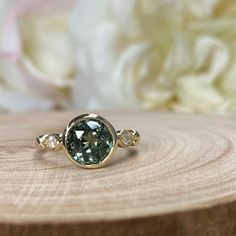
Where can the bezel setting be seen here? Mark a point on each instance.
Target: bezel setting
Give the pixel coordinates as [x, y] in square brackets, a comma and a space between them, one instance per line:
[109, 127]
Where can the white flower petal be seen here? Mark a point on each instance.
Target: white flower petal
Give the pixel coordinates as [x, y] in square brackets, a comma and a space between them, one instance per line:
[91, 15]
[202, 8]
[13, 101]
[213, 53]
[48, 50]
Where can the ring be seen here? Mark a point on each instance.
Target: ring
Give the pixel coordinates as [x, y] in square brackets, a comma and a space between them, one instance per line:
[89, 140]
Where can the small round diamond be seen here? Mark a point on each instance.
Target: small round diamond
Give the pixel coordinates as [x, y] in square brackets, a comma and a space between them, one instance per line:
[52, 141]
[127, 138]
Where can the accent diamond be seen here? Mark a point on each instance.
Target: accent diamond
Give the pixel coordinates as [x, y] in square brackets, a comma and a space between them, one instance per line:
[127, 138]
[51, 141]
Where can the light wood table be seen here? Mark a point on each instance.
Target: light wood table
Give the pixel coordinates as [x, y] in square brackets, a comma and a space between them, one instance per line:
[180, 180]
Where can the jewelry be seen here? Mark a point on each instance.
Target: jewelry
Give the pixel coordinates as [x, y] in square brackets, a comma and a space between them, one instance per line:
[89, 140]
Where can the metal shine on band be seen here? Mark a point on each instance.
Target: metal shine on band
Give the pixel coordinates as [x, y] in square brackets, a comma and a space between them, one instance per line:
[89, 140]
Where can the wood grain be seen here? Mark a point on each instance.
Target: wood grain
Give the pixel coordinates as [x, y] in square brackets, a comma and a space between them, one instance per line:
[180, 180]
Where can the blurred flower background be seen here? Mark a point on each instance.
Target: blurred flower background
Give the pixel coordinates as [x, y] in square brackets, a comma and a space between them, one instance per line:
[177, 55]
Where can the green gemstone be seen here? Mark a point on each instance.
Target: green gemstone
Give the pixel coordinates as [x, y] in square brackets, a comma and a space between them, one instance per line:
[89, 140]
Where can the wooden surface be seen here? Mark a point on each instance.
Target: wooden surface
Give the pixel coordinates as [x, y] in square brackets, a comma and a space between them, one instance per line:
[180, 180]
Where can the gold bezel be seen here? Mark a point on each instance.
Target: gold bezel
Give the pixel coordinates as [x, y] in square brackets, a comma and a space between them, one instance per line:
[111, 130]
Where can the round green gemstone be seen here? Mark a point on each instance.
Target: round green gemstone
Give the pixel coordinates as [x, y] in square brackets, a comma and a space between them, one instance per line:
[89, 140]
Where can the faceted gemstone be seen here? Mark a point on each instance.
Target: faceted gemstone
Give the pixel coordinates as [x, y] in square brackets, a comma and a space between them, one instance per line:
[89, 141]
[126, 138]
[52, 141]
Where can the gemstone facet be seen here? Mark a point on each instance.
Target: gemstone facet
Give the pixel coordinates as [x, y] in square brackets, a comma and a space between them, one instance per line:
[89, 140]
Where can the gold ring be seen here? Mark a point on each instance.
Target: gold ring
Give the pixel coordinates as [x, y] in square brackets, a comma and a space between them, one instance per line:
[89, 140]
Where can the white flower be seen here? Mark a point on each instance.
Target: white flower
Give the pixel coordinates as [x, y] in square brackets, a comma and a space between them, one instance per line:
[14, 93]
[48, 48]
[37, 62]
[167, 54]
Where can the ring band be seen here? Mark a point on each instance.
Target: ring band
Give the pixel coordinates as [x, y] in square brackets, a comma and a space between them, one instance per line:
[89, 140]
